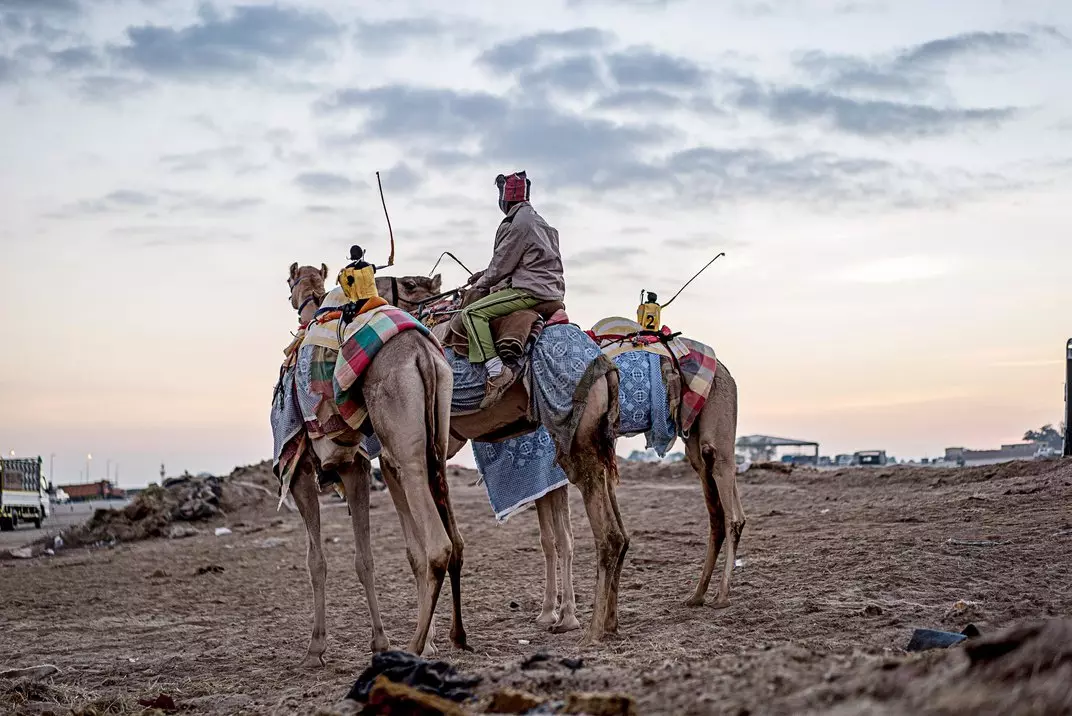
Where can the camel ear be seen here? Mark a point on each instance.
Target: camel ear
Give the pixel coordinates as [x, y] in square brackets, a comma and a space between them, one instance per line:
[324, 271]
[293, 270]
[437, 283]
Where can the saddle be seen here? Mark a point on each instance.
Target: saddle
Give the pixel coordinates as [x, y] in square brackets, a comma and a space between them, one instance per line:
[510, 333]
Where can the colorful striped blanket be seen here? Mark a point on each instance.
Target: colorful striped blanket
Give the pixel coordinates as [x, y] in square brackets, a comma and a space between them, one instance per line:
[320, 380]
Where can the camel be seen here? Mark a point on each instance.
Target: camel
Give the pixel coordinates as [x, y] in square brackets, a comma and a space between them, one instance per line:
[709, 449]
[590, 464]
[407, 391]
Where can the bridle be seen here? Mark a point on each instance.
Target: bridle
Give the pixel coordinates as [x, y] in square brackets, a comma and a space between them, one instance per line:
[313, 296]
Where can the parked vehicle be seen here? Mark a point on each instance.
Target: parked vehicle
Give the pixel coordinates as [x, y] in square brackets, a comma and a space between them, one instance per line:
[23, 493]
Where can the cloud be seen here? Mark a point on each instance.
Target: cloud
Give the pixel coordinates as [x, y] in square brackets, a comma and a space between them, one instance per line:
[642, 67]
[918, 66]
[399, 111]
[522, 52]
[626, 3]
[388, 36]
[572, 75]
[74, 58]
[401, 177]
[159, 236]
[7, 70]
[567, 150]
[130, 197]
[201, 160]
[59, 7]
[602, 255]
[324, 183]
[110, 88]
[768, 8]
[154, 204]
[320, 209]
[864, 117]
[971, 43]
[251, 38]
[709, 241]
[640, 100]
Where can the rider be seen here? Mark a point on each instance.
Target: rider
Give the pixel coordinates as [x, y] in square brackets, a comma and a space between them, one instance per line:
[525, 270]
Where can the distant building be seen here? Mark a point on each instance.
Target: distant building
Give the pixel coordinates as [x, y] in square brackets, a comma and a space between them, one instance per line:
[1007, 453]
[85, 491]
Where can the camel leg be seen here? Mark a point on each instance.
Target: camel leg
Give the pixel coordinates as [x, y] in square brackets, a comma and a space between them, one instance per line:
[588, 468]
[355, 480]
[414, 550]
[306, 497]
[544, 507]
[716, 518]
[444, 447]
[726, 480]
[616, 574]
[711, 452]
[454, 570]
[434, 541]
[560, 513]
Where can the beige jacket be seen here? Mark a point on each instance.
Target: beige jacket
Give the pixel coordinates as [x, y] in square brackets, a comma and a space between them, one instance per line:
[526, 256]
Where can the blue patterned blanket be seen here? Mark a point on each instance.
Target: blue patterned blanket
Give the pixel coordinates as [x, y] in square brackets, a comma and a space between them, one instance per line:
[520, 470]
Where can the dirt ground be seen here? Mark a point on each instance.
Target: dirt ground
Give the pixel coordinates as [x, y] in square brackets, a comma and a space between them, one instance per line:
[838, 568]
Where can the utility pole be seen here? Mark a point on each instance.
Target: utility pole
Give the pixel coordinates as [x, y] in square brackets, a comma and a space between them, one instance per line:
[1068, 398]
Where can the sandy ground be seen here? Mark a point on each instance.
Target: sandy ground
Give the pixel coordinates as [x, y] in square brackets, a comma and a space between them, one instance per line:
[839, 567]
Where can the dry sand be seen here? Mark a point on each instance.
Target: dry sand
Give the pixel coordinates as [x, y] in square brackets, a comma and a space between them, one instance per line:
[839, 567]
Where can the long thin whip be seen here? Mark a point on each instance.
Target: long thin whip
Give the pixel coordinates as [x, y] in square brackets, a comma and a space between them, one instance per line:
[691, 280]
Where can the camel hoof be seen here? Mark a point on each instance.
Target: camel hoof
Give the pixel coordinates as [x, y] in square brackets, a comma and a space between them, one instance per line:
[694, 601]
[546, 619]
[313, 661]
[567, 624]
[460, 641]
[380, 645]
[589, 639]
[430, 650]
[721, 603]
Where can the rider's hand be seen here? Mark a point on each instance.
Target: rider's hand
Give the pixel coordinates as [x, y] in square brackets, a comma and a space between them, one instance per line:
[474, 278]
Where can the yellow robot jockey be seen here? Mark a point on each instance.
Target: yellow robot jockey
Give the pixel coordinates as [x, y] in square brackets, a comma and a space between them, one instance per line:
[358, 281]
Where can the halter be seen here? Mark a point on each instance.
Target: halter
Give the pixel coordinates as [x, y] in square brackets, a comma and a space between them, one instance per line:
[311, 298]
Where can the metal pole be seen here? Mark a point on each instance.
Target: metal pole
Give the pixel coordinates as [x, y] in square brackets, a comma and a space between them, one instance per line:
[1068, 398]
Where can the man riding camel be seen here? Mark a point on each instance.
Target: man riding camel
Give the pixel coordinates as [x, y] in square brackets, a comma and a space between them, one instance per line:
[525, 270]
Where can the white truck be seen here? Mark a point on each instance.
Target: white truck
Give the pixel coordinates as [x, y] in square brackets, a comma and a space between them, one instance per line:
[23, 493]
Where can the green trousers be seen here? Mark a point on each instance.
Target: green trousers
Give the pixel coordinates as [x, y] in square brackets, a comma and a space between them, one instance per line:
[478, 315]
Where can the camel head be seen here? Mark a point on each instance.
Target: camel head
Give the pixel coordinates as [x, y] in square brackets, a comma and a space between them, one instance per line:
[306, 285]
[407, 291]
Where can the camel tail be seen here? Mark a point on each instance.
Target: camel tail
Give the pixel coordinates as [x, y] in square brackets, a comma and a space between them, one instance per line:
[437, 428]
[608, 428]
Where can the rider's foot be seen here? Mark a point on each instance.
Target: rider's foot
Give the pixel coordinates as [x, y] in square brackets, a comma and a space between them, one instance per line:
[496, 386]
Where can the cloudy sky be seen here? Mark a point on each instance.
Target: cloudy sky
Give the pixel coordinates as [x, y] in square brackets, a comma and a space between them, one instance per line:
[889, 180]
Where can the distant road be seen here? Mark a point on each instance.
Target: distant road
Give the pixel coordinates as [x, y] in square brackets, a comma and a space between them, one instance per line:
[63, 516]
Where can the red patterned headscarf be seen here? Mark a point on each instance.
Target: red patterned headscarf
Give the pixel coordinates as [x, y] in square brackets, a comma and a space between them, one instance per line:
[512, 188]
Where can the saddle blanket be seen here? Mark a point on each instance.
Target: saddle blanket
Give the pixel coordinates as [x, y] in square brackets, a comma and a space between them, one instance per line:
[695, 362]
[320, 389]
[523, 469]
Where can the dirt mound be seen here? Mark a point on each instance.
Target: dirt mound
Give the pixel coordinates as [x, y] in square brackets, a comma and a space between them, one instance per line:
[1026, 669]
[154, 511]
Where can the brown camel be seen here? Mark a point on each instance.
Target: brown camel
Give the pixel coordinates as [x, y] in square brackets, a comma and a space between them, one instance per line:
[590, 464]
[710, 450]
[407, 391]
